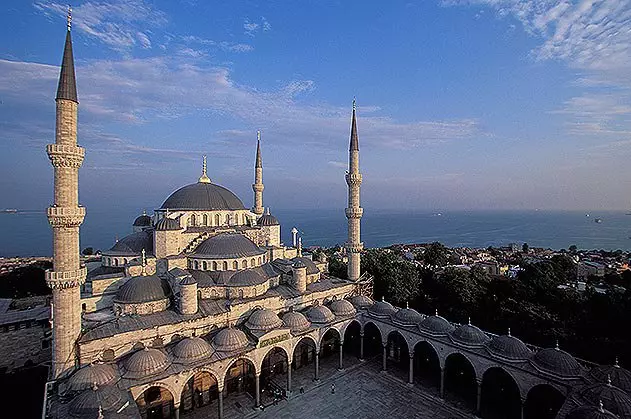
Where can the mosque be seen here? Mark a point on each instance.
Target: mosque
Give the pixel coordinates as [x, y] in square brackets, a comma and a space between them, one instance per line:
[203, 305]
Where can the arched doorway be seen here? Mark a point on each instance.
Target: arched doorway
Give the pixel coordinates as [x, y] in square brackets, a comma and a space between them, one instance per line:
[543, 402]
[372, 341]
[274, 376]
[500, 395]
[460, 382]
[155, 403]
[240, 379]
[200, 390]
[304, 353]
[330, 344]
[352, 339]
[426, 365]
[397, 355]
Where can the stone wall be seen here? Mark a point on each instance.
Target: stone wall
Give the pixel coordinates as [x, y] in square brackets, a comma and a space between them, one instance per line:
[24, 343]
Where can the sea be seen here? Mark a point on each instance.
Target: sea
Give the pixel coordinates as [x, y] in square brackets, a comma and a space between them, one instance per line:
[29, 234]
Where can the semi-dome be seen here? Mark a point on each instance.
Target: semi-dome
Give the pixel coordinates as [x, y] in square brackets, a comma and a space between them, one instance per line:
[614, 399]
[590, 412]
[267, 219]
[509, 347]
[142, 221]
[558, 362]
[407, 317]
[263, 320]
[145, 363]
[362, 301]
[619, 376]
[203, 196]
[191, 350]
[228, 246]
[296, 321]
[381, 309]
[311, 267]
[342, 308]
[143, 289]
[134, 243]
[168, 224]
[246, 278]
[436, 325]
[91, 402]
[320, 314]
[469, 335]
[86, 377]
[230, 339]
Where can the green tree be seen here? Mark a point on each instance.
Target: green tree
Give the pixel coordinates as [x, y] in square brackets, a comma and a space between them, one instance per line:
[525, 248]
[573, 249]
[436, 254]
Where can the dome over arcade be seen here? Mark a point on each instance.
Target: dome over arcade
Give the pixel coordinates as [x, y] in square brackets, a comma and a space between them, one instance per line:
[142, 221]
[312, 269]
[143, 289]
[469, 335]
[590, 412]
[407, 317]
[191, 349]
[86, 377]
[168, 224]
[381, 309]
[267, 219]
[263, 320]
[436, 325]
[619, 376]
[296, 321]
[97, 398]
[361, 301]
[509, 347]
[227, 246]
[134, 243]
[558, 362]
[203, 196]
[246, 278]
[145, 363]
[320, 314]
[342, 308]
[230, 339]
[614, 399]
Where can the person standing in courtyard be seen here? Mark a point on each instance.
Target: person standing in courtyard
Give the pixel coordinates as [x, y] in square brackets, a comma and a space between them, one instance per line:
[333, 388]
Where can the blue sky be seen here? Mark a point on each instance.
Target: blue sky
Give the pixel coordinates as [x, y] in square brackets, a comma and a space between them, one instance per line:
[479, 104]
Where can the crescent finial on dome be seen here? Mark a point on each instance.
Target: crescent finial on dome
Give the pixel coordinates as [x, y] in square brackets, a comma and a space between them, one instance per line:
[204, 177]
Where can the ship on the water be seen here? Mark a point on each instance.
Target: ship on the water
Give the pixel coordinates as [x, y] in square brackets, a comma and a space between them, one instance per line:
[9, 211]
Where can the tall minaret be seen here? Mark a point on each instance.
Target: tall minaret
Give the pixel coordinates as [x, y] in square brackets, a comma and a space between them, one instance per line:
[257, 186]
[354, 212]
[65, 217]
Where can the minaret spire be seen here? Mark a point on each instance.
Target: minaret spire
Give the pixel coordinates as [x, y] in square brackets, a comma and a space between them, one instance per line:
[354, 211]
[65, 217]
[257, 186]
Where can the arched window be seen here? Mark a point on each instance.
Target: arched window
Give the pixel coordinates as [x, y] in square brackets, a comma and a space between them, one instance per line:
[125, 261]
[244, 264]
[196, 265]
[227, 219]
[193, 220]
[214, 266]
[115, 262]
[235, 265]
[204, 265]
[205, 222]
[259, 260]
[263, 258]
[225, 265]
[217, 220]
[252, 262]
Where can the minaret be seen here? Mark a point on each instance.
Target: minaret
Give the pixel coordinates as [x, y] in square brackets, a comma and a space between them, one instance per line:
[257, 186]
[65, 217]
[354, 212]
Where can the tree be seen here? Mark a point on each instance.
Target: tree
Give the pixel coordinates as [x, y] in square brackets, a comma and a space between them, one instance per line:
[88, 251]
[573, 249]
[436, 255]
[525, 248]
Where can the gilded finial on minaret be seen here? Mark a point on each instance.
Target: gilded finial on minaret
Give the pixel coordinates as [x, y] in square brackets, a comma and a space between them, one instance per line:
[354, 104]
[69, 18]
[204, 177]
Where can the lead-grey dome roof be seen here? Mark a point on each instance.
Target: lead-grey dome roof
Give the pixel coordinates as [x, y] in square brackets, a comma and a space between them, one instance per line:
[509, 347]
[246, 278]
[381, 309]
[86, 377]
[311, 267]
[230, 339]
[268, 219]
[134, 243]
[469, 335]
[263, 320]
[614, 399]
[362, 301]
[168, 224]
[297, 322]
[142, 221]
[407, 317]
[320, 314]
[436, 325]
[619, 376]
[143, 289]
[203, 196]
[191, 349]
[228, 246]
[558, 362]
[146, 362]
[590, 412]
[342, 308]
[88, 403]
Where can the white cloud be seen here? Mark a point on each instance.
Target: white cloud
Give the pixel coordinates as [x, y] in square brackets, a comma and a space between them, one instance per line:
[252, 28]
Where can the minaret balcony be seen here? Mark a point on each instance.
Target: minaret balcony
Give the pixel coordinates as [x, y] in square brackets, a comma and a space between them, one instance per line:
[65, 216]
[354, 247]
[64, 155]
[257, 187]
[353, 179]
[354, 212]
[66, 279]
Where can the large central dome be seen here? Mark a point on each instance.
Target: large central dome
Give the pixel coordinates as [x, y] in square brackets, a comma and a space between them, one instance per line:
[203, 196]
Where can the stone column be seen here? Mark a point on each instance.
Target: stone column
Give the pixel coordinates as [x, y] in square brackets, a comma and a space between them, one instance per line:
[479, 398]
[442, 382]
[257, 381]
[361, 346]
[341, 365]
[221, 403]
[523, 404]
[411, 373]
[177, 412]
[384, 356]
[317, 366]
[289, 378]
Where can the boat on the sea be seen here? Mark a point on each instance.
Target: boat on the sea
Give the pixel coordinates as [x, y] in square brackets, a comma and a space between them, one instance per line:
[598, 220]
[9, 211]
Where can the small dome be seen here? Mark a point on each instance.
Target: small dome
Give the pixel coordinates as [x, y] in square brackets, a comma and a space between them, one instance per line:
[296, 321]
[619, 376]
[145, 363]
[88, 403]
[590, 412]
[298, 264]
[191, 349]
[203, 196]
[312, 269]
[168, 224]
[134, 244]
[509, 347]
[143, 221]
[436, 325]
[263, 320]
[246, 278]
[614, 399]
[469, 335]
[558, 362]
[342, 308]
[320, 314]
[230, 339]
[188, 280]
[143, 289]
[381, 309]
[268, 219]
[407, 317]
[228, 246]
[361, 301]
[86, 377]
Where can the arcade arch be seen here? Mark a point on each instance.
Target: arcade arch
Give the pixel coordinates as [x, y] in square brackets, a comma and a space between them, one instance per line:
[500, 397]
[426, 365]
[155, 402]
[543, 402]
[200, 390]
[460, 379]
